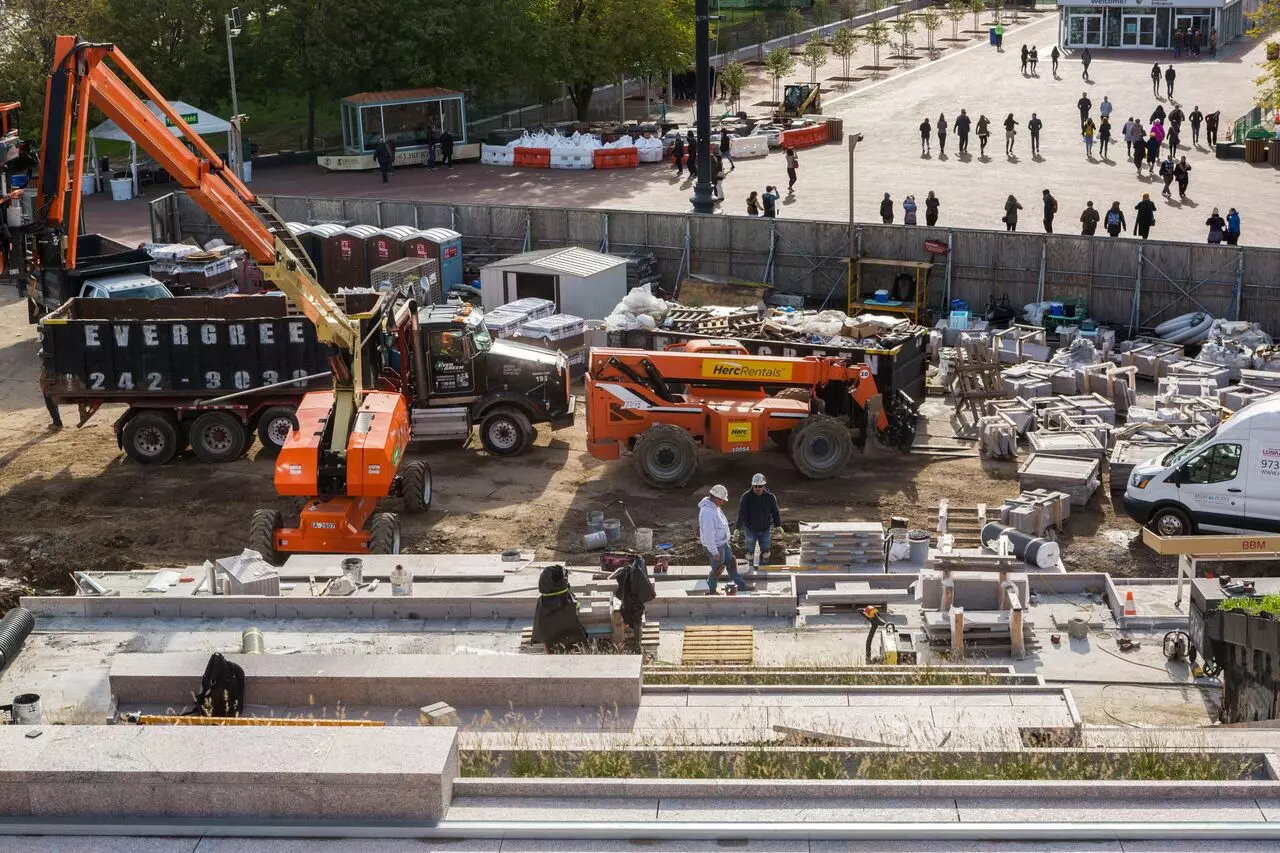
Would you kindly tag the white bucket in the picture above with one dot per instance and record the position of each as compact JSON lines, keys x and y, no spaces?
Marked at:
{"x":353,"y":567}
{"x":87,"y":186}
{"x":246,"y":171}
{"x":594,"y":541}
{"x":121,"y":189}
{"x":644,"y":539}
{"x":26,"y":710}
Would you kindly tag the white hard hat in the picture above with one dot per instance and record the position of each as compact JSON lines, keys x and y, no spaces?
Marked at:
{"x":719,"y":491}
{"x":757,"y":480}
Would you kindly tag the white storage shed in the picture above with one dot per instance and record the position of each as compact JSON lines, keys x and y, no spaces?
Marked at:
{"x":581,"y":282}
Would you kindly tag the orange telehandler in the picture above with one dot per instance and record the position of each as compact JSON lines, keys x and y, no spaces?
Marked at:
{"x":345,"y":448}
{"x":662,"y":405}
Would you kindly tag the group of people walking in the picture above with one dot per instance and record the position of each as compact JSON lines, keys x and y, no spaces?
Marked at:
{"x":962,"y":126}
{"x":910,"y":210}
{"x":1221,"y":230}
{"x":684,"y":155}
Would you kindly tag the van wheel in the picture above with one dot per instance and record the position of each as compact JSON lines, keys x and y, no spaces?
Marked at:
{"x":274,"y":427}
{"x":151,"y":438}
{"x":1171,"y":521}
{"x":506,"y":432}
{"x":217,"y":437}
{"x":384,"y":533}
{"x":666,"y":456}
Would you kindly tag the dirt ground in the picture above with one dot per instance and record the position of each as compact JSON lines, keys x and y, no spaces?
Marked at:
{"x":70,"y":500}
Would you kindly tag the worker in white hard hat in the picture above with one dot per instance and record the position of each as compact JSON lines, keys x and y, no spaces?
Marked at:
{"x":713,"y":533}
{"x":758,"y":518}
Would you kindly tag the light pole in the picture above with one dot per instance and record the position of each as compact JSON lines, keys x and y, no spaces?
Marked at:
{"x":234,"y":25}
{"x":854,"y":139}
{"x":703,"y":201}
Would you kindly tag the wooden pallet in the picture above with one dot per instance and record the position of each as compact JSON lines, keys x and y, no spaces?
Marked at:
{"x":649,"y":636}
{"x":718,"y":644}
{"x":963,"y":523}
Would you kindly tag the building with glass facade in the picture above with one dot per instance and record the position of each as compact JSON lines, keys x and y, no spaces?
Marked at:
{"x":1150,"y":23}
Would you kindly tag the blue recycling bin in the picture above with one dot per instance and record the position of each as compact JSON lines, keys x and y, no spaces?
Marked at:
{"x":991,"y":34}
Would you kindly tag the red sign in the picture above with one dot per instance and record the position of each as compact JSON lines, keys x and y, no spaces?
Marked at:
{"x":450,"y":252}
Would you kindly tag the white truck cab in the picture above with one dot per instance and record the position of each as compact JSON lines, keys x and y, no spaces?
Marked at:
{"x":1226,"y":481}
{"x":124,"y":286}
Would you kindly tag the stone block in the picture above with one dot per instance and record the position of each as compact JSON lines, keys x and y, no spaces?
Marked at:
{"x":438,"y":714}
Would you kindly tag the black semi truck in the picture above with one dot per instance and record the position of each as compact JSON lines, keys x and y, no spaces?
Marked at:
{"x":214,"y":373}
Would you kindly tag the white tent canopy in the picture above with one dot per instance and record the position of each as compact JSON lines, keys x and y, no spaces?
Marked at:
{"x":198,"y":122}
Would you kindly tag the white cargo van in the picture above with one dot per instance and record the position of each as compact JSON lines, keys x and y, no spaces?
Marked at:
{"x":1226,"y":481}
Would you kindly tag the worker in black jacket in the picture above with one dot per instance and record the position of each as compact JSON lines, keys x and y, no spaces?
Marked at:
{"x":758,"y":517}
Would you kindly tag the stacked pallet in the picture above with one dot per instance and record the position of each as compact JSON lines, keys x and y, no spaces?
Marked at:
{"x":1017,"y":344}
{"x":1117,"y":384}
{"x":1018,"y":410}
{"x":1079,"y":478}
{"x":1151,"y":358}
{"x":1078,"y":444}
{"x":1073,"y":420}
{"x":998,"y":437}
{"x":961,"y":524}
{"x":718,"y":644}
{"x":841,"y":543}
{"x":1217,"y":374}
{"x":1036,"y":511}
{"x":1233,"y":398}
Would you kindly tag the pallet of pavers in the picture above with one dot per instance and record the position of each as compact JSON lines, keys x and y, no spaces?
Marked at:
{"x":1036,"y":511}
{"x":857,"y":594}
{"x":841,"y":543}
{"x":1077,"y":477}
{"x":1079,"y":444}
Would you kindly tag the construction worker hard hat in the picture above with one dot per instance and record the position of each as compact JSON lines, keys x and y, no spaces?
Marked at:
{"x":720,"y":492}
{"x":758,"y":480}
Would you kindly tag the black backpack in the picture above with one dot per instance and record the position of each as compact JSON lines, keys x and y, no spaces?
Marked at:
{"x":221,"y":689}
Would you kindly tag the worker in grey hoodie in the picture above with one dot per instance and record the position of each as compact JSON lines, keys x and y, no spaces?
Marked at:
{"x":713,"y":533}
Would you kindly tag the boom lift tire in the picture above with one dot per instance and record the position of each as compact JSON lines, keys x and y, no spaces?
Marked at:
{"x":821,"y":447}
{"x":666,"y":456}
{"x":506,"y":432}
{"x":384,"y":533}
{"x":217,"y":437}
{"x":151,"y":438}
{"x":262,"y":534}
{"x":415,"y":486}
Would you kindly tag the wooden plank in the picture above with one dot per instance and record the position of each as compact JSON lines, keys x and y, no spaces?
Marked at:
{"x":718,"y":644}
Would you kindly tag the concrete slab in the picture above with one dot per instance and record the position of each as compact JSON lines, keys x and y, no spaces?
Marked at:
{"x":966,"y":847}
{"x":602,"y":809}
{"x":1167,"y":810}
{"x":807,"y":811}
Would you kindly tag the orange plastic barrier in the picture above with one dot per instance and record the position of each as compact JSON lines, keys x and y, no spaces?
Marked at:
{"x":805,"y":137}
{"x":532,"y":158}
{"x":616,"y":158}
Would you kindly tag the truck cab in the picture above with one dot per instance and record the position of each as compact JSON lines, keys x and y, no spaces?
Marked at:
{"x":124,"y":286}
{"x":465,"y":377}
{"x":1226,"y":481}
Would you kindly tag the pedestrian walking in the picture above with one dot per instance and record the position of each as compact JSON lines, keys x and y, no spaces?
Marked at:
{"x":962,"y":131}
{"x":1127,"y":133}
{"x":1153,"y":153}
{"x":1054,"y":56}
{"x":1114,"y":220}
{"x":793,"y":163}
{"x":1217,"y":227}
{"x":1179,"y":39}
{"x":1050,"y":209}
{"x":432,"y":141}
{"x":1182,"y":174}
{"x":677,"y":155}
{"x":1158,"y":132}
{"x":1173,"y":137}
{"x":753,"y":204}
{"x":1211,"y":127}
{"x":1146,"y":218}
{"x":1155,"y":79}
{"x":1088,"y":220}
{"x":384,"y":158}
{"x":446,"y":148}
{"x":1233,"y":227}
{"x":691,"y":162}
{"x":909,"y":210}
{"x":1011,"y":208}
{"x":1009,"y":134}
{"x":1166,"y":174}
{"x":942,"y":135}
{"x":724,"y":148}
{"x":1086,"y":57}
{"x":717,"y":176}
{"x":1157,"y":115}
{"x":1034,"y":60}
{"x":1169,"y":76}
{"x":758,"y":518}
{"x":1195,"y":42}
{"x":1084,"y":105}
{"x":1034,"y":126}
{"x":770,"y":202}
{"x":926,"y":130}
{"x":886,"y":210}
{"x":713,"y":533}
{"x":1213,"y":43}
{"x":1177,"y":117}
{"x":1139,"y":156}
{"x":999,"y":38}
{"x":931,"y":209}
{"x":1026,"y":59}
{"x":1196,"y":118}
{"x":1105,"y":108}
{"x":1089,"y":131}
{"x":1104,"y":138}
{"x":984,"y":133}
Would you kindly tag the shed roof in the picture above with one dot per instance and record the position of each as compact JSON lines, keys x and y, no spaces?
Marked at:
{"x":570,"y":260}
{"x":400,"y":95}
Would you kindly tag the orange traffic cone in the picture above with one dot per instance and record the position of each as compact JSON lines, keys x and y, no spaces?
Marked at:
{"x":1130,"y":609}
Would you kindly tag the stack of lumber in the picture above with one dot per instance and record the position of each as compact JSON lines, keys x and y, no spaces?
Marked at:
{"x":1078,"y":478}
{"x":841,"y":543}
{"x":998,"y":437}
{"x":1036,"y":511}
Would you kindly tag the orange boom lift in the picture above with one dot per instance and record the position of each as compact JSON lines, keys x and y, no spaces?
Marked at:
{"x":346,"y":446}
{"x":662,"y":405}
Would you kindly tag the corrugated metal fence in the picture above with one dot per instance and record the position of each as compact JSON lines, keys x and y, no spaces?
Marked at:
{"x":1126,"y":282}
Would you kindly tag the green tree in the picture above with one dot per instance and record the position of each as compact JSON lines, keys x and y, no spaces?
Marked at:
{"x":848,"y":8}
{"x":779,"y":63}
{"x":876,"y":34}
{"x":760,"y":32}
{"x":814,"y":57}
{"x":955,"y":11}
{"x":1265,"y":22}
{"x":844,"y":44}
{"x":977,"y":7}
{"x":735,"y":79}
{"x":932,"y":23}
{"x":795,"y":23}
{"x":820,"y":11}
{"x":904,"y":27}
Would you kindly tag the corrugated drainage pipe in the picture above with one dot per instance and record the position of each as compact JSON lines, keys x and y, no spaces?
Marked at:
{"x":16,"y":625}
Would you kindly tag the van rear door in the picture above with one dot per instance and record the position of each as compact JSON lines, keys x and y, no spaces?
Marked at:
{"x":1262,"y":506}
{"x":1211,"y":485}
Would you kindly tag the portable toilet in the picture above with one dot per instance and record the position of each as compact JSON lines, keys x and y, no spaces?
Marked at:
{"x":448,"y":251}
{"x":381,"y":249}
{"x":343,"y":254}
{"x":328,"y":256}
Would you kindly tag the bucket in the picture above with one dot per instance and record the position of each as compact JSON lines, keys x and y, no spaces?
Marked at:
{"x":644,"y":539}
{"x":595,"y":521}
{"x":87,"y":186}
{"x":882,"y":296}
{"x":613,"y":529}
{"x":594,"y":541}
{"x":401,"y":581}
{"x":26,"y":710}
{"x":353,"y":567}
{"x":121,"y":189}
{"x":918,"y":543}
{"x":246,"y":171}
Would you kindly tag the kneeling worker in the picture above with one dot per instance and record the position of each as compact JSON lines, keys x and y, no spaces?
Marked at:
{"x":713,"y":533}
{"x":758,"y":517}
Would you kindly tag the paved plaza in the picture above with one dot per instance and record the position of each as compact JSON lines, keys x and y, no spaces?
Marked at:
{"x":888,"y":112}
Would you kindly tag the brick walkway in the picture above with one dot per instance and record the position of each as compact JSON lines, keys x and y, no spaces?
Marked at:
{"x":888,"y":112}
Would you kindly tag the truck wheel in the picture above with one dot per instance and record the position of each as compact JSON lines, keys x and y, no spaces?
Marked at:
{"x":820,"y":447}
{"x":217,"y":437}
{"x":151,"y":438}
{"x":274,"y":427}
{"x":262,"y":534}
{"x":384,"y":533}
{"x":415,"y":486}
{"x":506,"y":432}
{"x":1171,"y":521}
{"x":666,"y":456}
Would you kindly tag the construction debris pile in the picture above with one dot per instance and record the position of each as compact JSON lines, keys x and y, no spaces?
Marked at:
{"x":191,"y":271}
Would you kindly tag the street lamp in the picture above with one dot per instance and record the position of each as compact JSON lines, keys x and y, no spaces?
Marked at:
{"x":234,"y":26}
{"x":854,"y":139}
{"x":703,"y":200}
